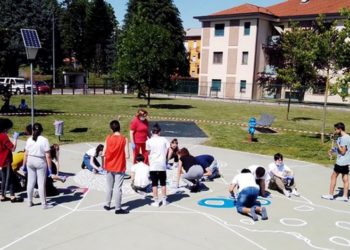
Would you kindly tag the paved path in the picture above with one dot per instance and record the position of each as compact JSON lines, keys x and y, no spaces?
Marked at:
{"x":79,"y":222}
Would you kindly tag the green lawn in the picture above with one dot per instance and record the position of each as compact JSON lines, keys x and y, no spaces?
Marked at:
{"x":104,"y":108}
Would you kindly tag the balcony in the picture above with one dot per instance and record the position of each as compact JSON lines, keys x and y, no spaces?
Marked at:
{"x":272,"y":43}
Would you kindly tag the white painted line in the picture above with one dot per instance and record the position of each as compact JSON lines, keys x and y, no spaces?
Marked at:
{"x":215,"y":219}
{"x":340,"y":241}
{"x":343,"y":225}
{"x":293,"y":222}
{"x":47,"y":225}
{"x":304,"y":208}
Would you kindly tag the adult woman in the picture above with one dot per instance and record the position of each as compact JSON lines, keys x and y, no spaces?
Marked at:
{"x":139,"y":134}
{"x":38,"y":161}
{"x":193,"y":171}
{"x":6,"y":149}
{"x":90,"y":159}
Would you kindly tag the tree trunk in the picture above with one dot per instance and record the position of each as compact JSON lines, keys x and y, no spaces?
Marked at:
{"x":288,"y":107}
{"x":325,"y":108}
{"x":149,"y":97}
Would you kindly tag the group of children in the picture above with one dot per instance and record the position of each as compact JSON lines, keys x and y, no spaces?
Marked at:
{"x":150,"y":170}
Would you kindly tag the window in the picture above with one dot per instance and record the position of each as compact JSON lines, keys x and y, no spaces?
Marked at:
{"x":217,"y":59}
{"x":219,"y":29}
{"x":245,"y":58}
{"x":195,"y":44}
{"x":243,"y":86}
{"x":247,"y":28}
{"x":199,"y":56}
{"x":215,"y":85}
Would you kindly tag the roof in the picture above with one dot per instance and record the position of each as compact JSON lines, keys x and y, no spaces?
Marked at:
{"x":193,"y":32}
{"x":243,"y":9}
{"x":311,"y":7}
{"x":288,"y":8}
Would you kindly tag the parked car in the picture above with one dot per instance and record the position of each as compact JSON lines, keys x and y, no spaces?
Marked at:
{"x":18,"y":85}
{"x":42,"y":87}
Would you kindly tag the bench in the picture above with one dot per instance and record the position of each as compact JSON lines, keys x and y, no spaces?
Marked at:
{"x":265,"y":120}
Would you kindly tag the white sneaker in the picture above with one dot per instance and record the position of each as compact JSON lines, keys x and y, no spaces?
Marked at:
{"x":165,"y":202}
{"x":342,"y":198}
{"x":295,"y":192}
{"x":286,"y":193}
{"x":327,"y":196}
{"x":155,"y":204}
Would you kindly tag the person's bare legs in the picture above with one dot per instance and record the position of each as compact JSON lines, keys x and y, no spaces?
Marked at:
{"x":334,"y":177}
{"x":346,"y":185}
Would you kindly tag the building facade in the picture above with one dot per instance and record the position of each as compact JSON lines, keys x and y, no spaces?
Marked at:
{"x":193,"y":49}
{"x":234,"y":44}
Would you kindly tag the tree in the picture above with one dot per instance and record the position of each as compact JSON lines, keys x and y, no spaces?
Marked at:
{"x":162,"y":17}
{"x":89,"y":33}
{"x":295,"y":70}
{"x":16,"y":14}
{"x":341,"y":86}
{"x":100,"y":36}
{"x":326,"y":63}
{"x":73,"y":25}
{"x":143,"y":56}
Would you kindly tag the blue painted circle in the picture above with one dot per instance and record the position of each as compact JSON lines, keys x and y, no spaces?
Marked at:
{"x":264,"y":202}
{"x":221,"y":203}
{"x":226,"y":202}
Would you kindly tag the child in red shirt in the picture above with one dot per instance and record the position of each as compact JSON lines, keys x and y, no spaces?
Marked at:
{"x":6,"y":149}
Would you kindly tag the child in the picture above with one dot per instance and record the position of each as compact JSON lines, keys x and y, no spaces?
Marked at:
{"x":140,"y":175}
{"x":115,"y":152}
{"x":54,"y":174}
{"x":281,"y":177}
{"x":90,"y":160}
{"x":157,"y":147}
{"x":172,"y":154}
{"x":248,"y":192}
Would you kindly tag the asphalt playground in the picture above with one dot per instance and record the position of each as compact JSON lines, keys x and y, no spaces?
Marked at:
{"x":204,"y":220}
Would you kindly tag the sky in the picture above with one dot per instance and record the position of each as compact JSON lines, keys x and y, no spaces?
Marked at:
{"x":190,"y":8}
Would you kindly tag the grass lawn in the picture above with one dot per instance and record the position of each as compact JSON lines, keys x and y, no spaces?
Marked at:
{"x":103,"y":108}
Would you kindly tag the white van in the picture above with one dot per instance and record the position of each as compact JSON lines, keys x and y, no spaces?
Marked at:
{"x":18,"y":84}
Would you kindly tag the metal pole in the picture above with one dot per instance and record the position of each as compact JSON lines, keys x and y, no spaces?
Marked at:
{"x":53,"y":52}
{"x":31,"y":93}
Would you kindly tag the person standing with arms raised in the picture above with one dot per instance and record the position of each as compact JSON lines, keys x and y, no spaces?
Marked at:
{"x":139,"y":134}
{"x":342,"y":150}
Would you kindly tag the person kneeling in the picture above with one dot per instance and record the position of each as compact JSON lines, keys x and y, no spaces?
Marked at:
{"x":140,"y":176}
{"x":248,"y":192}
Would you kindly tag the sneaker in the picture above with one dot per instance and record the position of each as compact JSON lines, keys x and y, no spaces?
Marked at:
{"x":64,"y":178}
{"x":264,"y":213}
{"x":102,"y":171}
{"x":36,"y":194}
{"x":30,"y":204}
{"x":295,"y":192}
{"x":286,"y":193}
{"x":121,"y":211}
{"x":165,"y":202}
{"x":253,"y":214}
{"x":327,"y":197}
{"x":107,"y":208}
{"x":342,"y":198}
{"x":155,"y":204}
{"x":47,"y":206}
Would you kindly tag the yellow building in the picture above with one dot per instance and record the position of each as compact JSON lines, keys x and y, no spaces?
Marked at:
{"x":193,"y":48}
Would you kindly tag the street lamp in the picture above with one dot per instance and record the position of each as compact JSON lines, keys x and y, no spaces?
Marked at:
{"x":32,"y":45}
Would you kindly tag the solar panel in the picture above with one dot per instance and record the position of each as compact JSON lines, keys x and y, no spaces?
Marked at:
{"x":30,"y":38}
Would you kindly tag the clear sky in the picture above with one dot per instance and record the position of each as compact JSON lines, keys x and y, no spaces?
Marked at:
{"x":191,"y":8}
